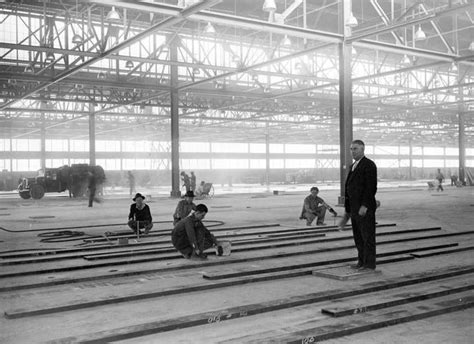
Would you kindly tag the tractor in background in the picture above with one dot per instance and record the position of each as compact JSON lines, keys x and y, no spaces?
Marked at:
{"x":73,"y":178}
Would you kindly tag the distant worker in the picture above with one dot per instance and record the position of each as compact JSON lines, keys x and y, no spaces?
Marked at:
{"x":140,"y":215}
{"x":200,"y":189}
{"x":454,"y":179}
{"x":91,"y":186}
{"x":186,"y":181}
{"x":315,"y":207}
{"x":131,"y":182}
{"x":191,"y":238}
{"x":184,"y":207}
{"x":193,"y":181}
{"x":439,"y":178}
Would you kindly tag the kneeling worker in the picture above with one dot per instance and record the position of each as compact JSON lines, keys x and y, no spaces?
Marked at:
{"x":191,"y":238}
{"x":140,"y":216}
{"x":315,"y":207}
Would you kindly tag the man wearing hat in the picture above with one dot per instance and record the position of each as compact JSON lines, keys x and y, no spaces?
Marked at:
{"x":140,"y":216}
{"x":184,"y":207}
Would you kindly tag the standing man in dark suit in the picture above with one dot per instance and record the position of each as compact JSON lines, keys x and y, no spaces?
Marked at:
{"x":360,"y":204}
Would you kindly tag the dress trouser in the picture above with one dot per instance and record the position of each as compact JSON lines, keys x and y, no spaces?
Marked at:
{"x":363,"y":229}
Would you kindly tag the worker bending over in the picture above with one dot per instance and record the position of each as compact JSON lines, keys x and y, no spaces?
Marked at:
{"x":191,"y":238}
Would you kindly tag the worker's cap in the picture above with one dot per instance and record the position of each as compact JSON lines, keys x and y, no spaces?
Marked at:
{"x":189,"y":194}
{"x":138,"y":195}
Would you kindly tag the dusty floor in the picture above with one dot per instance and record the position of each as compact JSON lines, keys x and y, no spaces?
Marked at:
{"x":84,"y":304}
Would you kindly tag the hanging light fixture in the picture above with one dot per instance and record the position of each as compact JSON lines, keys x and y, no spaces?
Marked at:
{"x":113,"y":15}
{"x":29,"y":69}
{"x":352,"y":21}
{"x":269,"y":6}
{"x":49,"y":57}
{"x":76,"y":39}
{"x":406,"y":60}
{"x":353,"y":51}
{"x":129,"y":64}
{"x":420,"y":34}
{"x":454,"y":67}
{"x":101,"y":75}
{"x":286,"y":42}
{"x":471,"y":46}
{"x":209,"y":28}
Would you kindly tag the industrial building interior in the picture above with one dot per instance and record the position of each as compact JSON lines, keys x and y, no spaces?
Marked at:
{"x":261,"y":99}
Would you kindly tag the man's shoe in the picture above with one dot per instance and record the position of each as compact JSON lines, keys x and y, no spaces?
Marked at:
{"x":356,"y":266}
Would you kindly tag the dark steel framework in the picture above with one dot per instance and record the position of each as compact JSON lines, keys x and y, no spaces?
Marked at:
{"x":225,"y":71}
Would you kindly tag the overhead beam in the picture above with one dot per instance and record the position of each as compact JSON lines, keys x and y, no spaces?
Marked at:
{"x":423,"y":19}
{"x":259,"y":25}
{"x":182,"y":15}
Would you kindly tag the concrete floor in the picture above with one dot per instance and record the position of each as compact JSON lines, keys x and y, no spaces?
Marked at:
{"x":409,"y":207}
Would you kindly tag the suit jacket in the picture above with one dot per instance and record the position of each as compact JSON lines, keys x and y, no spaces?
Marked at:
{"x":361,"y":187}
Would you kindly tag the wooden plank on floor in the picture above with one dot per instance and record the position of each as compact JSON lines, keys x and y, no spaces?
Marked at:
{"x":367,"y":323}
{"x":344,"y":311}
{"x":21,"y":313}
{"x":300,"y":272}
{"x":132,"y":250}
{"x":314,"y":264}
{"x":178,"y":256}
{"x":254,"y":309}
{"x":79,"y":251}
{"x":283,"y":244}
{"x":344,"y":273}
{"x":440,"y":252}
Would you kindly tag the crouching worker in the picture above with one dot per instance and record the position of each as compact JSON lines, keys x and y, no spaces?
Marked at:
{"x":140,"y":216}
{"x":315,"y":207}
{"x":191,"y":238}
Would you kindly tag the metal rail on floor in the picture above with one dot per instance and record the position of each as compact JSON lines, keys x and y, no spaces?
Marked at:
{"x":58,"y":252}
{"x":220,"y":262}
{"x":296,"y":271}
{"x":362,"y":323}
{"x":254,"y":309}
{"x":265,"y":277}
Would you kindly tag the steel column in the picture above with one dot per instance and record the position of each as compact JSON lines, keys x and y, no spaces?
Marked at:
{"x":267,"y":157}
{"x":345,"y":98}
{"x":345,"y":113}
{"x":43,"y":143}
{"x":410,"y":156}
{"x":462,"y":132}
{"x":174,"y":112}
{"x":462,"y":146}
{"x":91,"y":135}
